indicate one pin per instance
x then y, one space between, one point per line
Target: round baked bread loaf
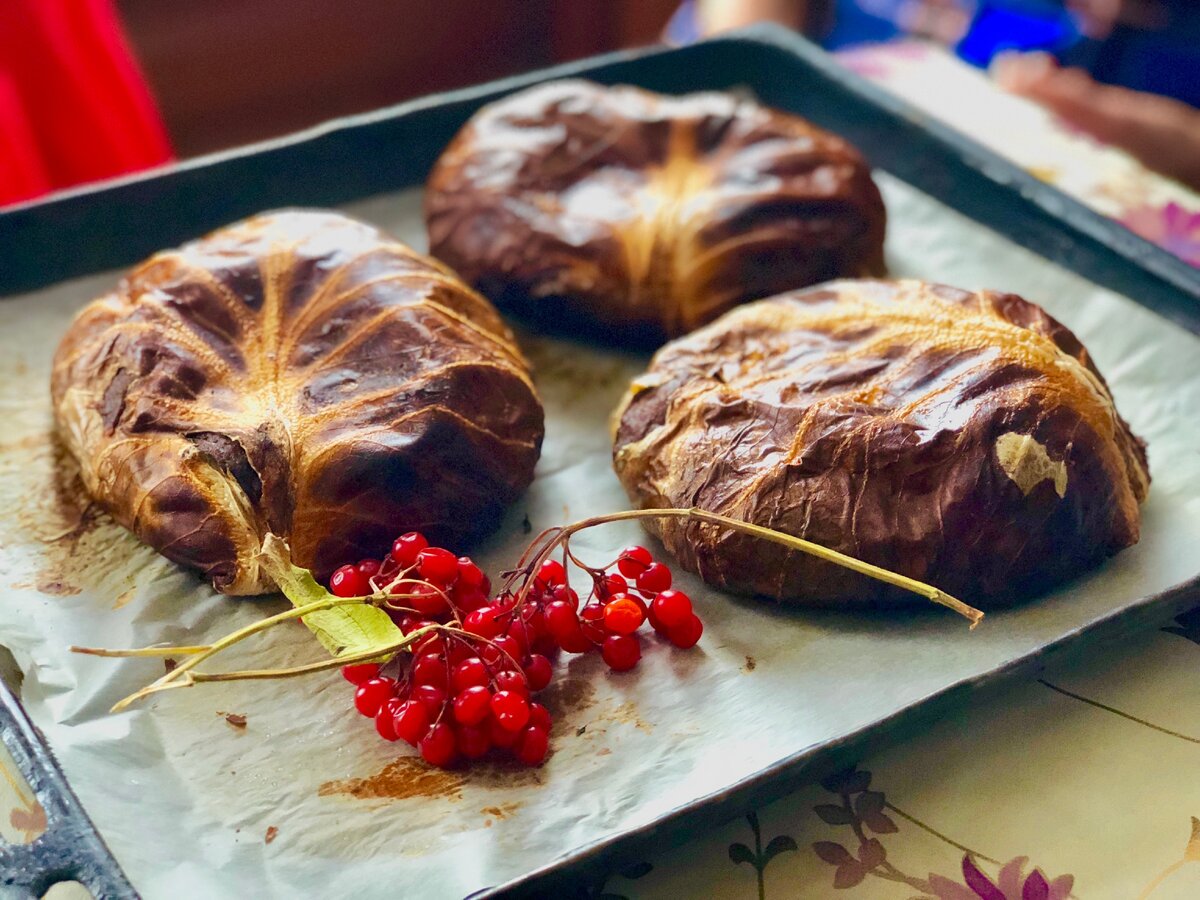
298 373
963 439
639 216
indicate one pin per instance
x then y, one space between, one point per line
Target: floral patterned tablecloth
1082 783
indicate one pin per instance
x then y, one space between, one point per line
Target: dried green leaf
341 630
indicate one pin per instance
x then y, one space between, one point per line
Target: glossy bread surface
299 373
964 439
643 216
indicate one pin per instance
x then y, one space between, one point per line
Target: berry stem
142 651
920 588
184 668
324 665
309 597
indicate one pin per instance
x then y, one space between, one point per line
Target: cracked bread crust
298 373
963 439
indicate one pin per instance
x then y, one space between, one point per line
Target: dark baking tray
120 222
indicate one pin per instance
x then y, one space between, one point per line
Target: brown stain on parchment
55 512
627 713
411 776
501 811
567 695
57 588
400 779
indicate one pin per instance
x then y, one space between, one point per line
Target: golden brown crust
642 216
299 373
964 439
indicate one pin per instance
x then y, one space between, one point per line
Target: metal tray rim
1177 296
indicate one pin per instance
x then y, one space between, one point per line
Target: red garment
74 106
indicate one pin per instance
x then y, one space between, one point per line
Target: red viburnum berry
438 747
503 651
434 698
410 720
672 608
539 716
471 706
633 561
470 672
566 595
437 565
406 547
427 599
687 633
655 578
532 746
510 709
385 722
348 581
473 741
484 622
469 574
514 682
357 674
431 668
623 615
591 621
621 652
500 736
551 573
372 694
538 672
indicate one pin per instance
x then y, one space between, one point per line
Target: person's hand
1163 134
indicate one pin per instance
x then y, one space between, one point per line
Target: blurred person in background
1126 72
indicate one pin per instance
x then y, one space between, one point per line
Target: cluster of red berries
467 687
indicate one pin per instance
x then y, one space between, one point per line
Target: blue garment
1164 61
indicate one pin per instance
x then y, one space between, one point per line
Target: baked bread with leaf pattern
638 216
965 439
298 373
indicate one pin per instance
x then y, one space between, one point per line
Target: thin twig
142 651
929 592
538 551
229 640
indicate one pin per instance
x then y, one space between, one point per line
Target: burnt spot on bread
229 455
112 401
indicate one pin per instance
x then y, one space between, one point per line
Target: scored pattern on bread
641 216
298 373
963 439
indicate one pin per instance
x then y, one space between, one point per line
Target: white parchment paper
185 800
